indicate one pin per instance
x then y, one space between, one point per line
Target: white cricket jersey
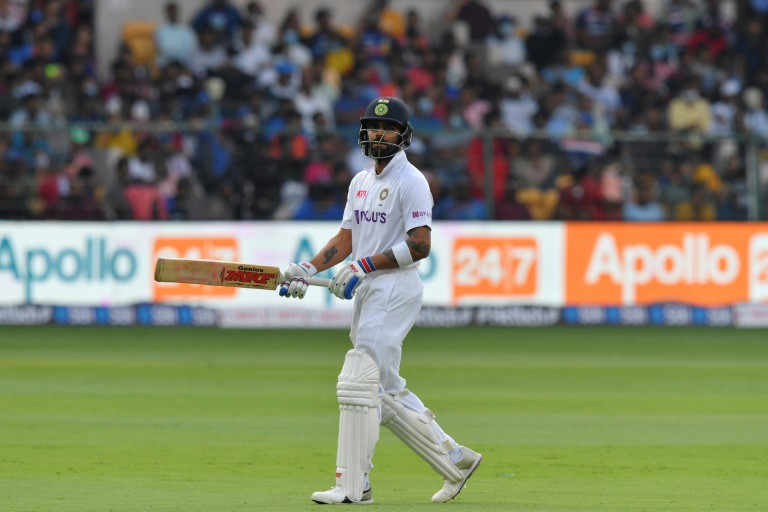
382 208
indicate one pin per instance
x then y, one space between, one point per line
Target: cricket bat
223 273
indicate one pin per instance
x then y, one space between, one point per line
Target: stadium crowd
608 114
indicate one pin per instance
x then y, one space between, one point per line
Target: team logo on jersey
380 109
383 194
370 216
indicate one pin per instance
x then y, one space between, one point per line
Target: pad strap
416 431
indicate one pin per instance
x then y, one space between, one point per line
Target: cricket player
387 230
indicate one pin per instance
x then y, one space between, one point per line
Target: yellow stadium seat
140 36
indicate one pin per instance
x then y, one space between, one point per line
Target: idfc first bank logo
92 261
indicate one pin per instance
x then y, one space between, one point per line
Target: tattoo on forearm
390 254
329 254
420 249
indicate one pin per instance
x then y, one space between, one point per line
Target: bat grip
313 281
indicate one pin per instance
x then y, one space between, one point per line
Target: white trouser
386 307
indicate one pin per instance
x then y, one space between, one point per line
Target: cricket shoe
337 496
467 465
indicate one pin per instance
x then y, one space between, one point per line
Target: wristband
366 264
402 254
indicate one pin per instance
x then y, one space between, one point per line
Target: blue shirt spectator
220 16
174 40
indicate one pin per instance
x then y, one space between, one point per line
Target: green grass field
569 419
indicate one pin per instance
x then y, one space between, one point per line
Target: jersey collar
397 162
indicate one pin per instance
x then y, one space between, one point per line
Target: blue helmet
389 109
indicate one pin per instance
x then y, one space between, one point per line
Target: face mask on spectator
90 89
690 95
291 37
658 52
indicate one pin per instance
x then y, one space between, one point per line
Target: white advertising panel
111 264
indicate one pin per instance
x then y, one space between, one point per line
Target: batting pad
358 394
416 430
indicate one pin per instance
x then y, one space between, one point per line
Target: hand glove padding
345 282
297 275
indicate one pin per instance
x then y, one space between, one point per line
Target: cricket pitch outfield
568 419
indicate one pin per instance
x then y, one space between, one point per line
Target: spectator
509 208
80 202
582 198
175 41
518 108
326 37
689 112
322 203
219 17
545 44
460 205
756 117
476 161
560 21
698 208
376 46
264 31
12 15
210 55
505 47
117 206
533 167
750 47
596 27
642 207
677 181
391 20
311 99
602 93
414 35
725 109
253 55
476 15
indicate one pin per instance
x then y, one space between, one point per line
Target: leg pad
358 395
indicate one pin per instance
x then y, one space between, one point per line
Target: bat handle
313 281
318 281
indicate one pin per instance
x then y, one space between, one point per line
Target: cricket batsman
387 230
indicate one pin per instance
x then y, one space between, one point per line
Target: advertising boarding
499 266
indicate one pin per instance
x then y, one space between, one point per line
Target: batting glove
296 279
346 281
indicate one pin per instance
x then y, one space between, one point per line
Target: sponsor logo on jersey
417 215
368 216
362 193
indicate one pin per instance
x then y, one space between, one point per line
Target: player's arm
401 255
418 244
335 251
296 274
